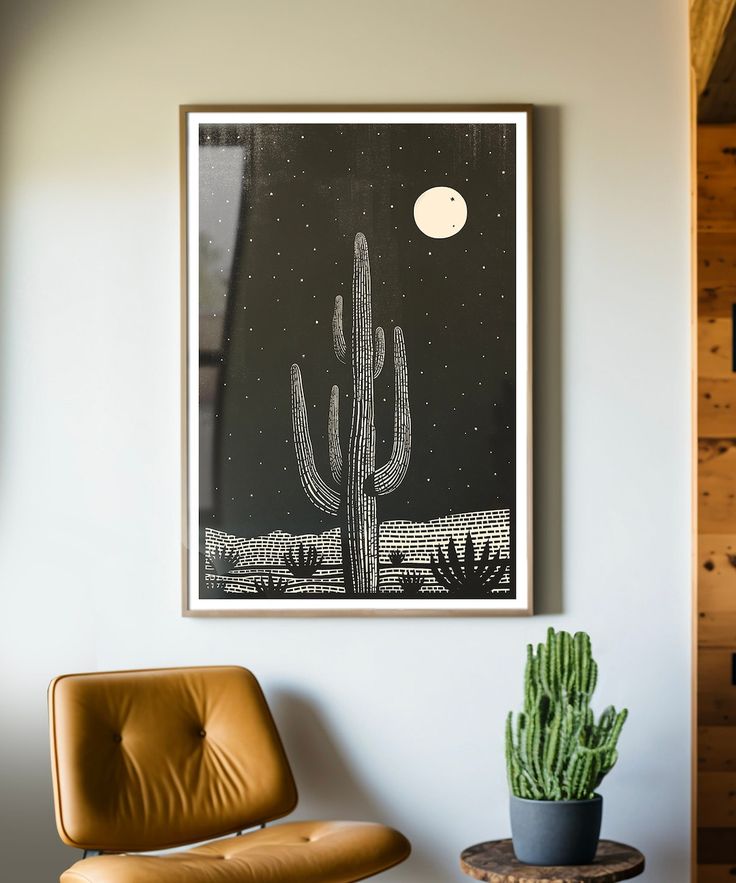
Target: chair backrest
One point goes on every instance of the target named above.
(150, 759)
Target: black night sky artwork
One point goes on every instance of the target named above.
(417, 500)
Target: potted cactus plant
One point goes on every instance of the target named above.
(557, 754)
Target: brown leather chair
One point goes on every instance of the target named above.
(149, 760)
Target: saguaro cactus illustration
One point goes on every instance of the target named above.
(355, 480)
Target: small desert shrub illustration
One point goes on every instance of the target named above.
(413, 581)
(270, 585)
(467, 574)
(223, 561)
(304, 562)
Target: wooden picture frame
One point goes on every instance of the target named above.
(311, 436)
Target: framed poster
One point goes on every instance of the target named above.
(357, 360)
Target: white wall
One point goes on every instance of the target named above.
(394, 720)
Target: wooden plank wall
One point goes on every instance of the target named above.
(716, 601)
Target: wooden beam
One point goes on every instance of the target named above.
(708, 21)
(717, 179)
(717, 104)
(715, 707)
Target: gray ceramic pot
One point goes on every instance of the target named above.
(556, 832)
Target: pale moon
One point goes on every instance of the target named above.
(440, 212)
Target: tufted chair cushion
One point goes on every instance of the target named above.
(310, 852)
(153, 759)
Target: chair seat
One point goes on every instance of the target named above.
(307, 852)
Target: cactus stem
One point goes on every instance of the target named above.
(556, 750)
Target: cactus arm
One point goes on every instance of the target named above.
(551, 748)
(593, 676)
(580, 664)
(333, 435)
(379, 352)
(511, 763)
(528, 673)
(391, 474)
(536, 747)
(551, 654)
(577, 777)
(543, 654)
(321, 495)
(338, 335)
(565, 660)
(557, 667)
(565, 743)
(617, 726)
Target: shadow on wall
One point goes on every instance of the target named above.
(330, 788)
(30, 844)
(547, 360)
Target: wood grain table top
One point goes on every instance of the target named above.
(495, 862)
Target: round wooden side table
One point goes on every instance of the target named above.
(495, 862)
